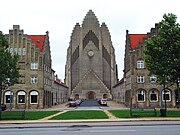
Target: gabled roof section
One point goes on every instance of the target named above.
(38, 40)
(90, 18)
(135, 39)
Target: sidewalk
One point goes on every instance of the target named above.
(64, 108)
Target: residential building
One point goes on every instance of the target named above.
(141, 89)
(34, 90)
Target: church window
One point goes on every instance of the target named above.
(90, 36)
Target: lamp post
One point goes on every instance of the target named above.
(9, 83)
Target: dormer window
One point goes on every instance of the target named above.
(140, 64)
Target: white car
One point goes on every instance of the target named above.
(103, 102)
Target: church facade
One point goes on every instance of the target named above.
(91, 70)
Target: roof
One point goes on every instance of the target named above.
(38, 40)
(135, 39)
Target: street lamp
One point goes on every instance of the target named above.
(9, 83)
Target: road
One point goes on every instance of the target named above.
(89, 103)
(93, 128)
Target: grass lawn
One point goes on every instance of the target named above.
(29, 115)
(126, 113)
(84, 114)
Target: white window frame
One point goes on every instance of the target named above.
(153, 92)
(21, 93)
(34, 65)
(33, 93)
(140, 64)
(142, 92)
(140, 79)
(19, 51)
(167, 92)
(24, 51)
(34, 80)
(8, 93)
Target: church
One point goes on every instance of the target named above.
(90, 70)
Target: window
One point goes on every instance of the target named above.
(140, 64)
(34, 97)
(141, 96)
(24, 51)
(11, 51)
(166, 95)
(153, 96)
(19, 51)
(21, 97)
(153, 79)
(140, 79)
(15, 50)
(34, 80)
(8, 97)
(34, 65)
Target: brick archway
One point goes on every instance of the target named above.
(91, 95)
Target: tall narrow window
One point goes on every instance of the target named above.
(34, 97)
(8, 97)
(140, 95)
(21, 97)
(19, 51)
(153, 95)
(166, 95)
(24, 51)
(140, 64)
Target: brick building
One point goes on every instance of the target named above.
(35, 87)
(142, 90)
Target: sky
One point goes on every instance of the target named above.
(59, 17)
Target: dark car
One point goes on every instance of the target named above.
(3, 107)
(72, 104)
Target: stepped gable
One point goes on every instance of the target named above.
(38, 40)
(90, 19)
(135, 39)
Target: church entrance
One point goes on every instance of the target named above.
(91, 95)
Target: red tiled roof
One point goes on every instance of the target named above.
(135, 39)
(38, 40)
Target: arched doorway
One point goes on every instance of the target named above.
(91, 95)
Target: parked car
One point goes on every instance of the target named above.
(3, 107)
(78, 102)
(103, 102)
(72, 104)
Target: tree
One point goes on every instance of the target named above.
(8, 65)
(162, 52)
